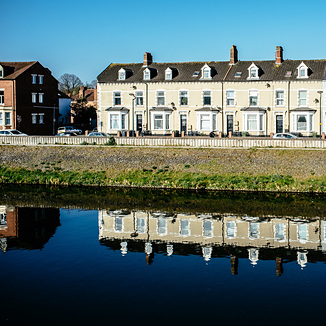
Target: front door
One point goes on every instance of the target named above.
(279, 123)
(229, 123)
(139, 122)
(183, 123)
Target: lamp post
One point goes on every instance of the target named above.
(320, 94)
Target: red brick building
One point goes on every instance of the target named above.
(28, 98)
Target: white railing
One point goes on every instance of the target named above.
(167, 141)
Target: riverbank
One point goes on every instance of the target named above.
(288, 170)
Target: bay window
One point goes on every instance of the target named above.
(254, 121)
(207, 120)
(161, 120)
(302, 121)
(118, 120)
(7, 118)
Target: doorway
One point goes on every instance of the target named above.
(139, 122)
(183, 123)
(279, 123)
(229, 123)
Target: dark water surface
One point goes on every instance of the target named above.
(135, 258)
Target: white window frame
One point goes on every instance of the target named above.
(252, 235)
(279, 101)
(161, 226)
(2, 96)
(168, 74)
(139, 98)
(34, 97)
(309, 116)
(34, 79)
(161, 97)
(211, 117)
(166, 117)
(230, 100)
(182, 96)
(115, 224)
(300, 100)
(302, 71)
(1, 72)
(115, 97)
(253, 72)
(120, 117)
(41, 97)
(204, 96)
(147, 74)
(122, 74)
(206, 72)
(260, 121)
(40, 79)
(1, 118)
(251, 95)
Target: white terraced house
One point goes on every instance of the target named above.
(255, 97)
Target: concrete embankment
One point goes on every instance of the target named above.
(210, 168)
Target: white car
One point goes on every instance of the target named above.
(284, 135)
(70, 129)
(11, 132)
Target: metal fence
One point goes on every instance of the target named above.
(167, 141)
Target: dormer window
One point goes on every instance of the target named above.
(122, 74)
(302, 71)
(147, 74)
(206, 72)
(168, 74)
(253, 72)
(1, 72)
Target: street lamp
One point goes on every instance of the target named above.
(320, 94)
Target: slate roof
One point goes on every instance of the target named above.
(13, 69)
(268, 71)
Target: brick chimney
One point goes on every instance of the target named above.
(233, 55)
(148, 59)
(279, 55)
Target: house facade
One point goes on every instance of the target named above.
(28, 98)
(256, 97)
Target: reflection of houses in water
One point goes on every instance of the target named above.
(30, 228)
(238, 237)
(8, 225)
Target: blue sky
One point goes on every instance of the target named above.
(84, 37)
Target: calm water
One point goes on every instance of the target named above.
(125, 266)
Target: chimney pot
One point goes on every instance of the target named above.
(233, 55)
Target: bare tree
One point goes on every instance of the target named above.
(69, 84)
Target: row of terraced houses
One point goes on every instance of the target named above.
(251, 97)
(255, 97)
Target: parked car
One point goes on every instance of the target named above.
(11, 132)
(70, 129)
(66, 134)
(284, 135)
(98, 134)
